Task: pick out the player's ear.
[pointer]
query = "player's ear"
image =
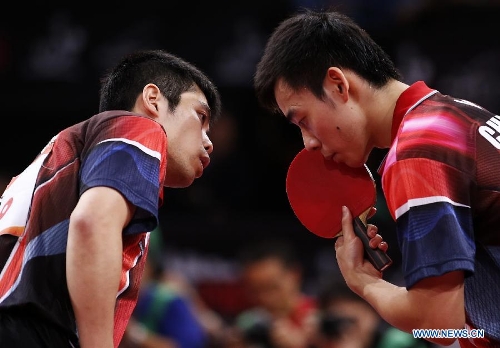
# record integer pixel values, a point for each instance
(150, 99)
(336, 82)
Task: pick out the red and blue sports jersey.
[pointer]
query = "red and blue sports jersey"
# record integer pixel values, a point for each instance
(441, 180)
(116, 149)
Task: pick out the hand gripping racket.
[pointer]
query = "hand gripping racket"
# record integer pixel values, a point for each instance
(318, 188)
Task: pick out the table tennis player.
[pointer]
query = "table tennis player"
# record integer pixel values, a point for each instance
(441, 175)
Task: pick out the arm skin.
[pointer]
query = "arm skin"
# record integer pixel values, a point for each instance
(432, 303)
(94, 262)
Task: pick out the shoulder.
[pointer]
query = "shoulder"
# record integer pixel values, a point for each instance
(441, 129)
(124, 121)
(122, 126)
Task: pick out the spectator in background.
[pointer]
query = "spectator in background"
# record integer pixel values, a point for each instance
(165, 315)
(345, 320)
(282, 315)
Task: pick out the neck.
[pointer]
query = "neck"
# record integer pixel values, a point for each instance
(381, 104)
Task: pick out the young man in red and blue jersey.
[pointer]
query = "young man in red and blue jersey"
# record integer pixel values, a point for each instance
(441, 176)
(75, 224)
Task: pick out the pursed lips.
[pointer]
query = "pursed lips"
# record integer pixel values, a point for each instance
(205, 161)
(330, 157)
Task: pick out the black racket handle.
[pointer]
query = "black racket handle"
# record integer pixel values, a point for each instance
(378, 258)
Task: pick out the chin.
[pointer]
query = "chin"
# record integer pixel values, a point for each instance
(354, 162)
(359, 164)
(179, 182)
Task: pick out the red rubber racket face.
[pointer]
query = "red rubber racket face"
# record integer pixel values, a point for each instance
(317, 189)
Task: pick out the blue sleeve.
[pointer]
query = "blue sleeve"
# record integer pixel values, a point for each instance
(180, 323)
(130, 171)
(435, 239)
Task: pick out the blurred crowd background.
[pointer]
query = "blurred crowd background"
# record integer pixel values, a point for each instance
(52, 56)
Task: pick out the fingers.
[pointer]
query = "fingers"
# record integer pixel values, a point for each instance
(347, 234)
(376, 240)
(371, 230)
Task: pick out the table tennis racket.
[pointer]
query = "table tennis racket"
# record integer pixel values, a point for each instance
(318, 188)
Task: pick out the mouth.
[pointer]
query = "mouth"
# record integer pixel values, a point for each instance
(331, 157)
(205, 161)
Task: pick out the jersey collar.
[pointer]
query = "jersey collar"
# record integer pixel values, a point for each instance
(407, 101)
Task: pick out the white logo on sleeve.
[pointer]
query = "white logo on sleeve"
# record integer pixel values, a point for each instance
(491, 131)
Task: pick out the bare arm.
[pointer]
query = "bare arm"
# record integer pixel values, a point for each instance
(94, 262)
(432, 303)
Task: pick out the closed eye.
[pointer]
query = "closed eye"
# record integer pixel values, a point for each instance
(293, 117)
(301, 123)
(204, 120)
(203, 117)
(203, 111)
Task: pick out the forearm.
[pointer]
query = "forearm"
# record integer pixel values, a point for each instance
(417, 308)
(393, 304)
(431, 303)
(94, 261)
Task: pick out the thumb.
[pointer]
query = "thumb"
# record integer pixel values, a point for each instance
(347, 228)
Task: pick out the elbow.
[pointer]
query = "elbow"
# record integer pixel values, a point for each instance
(80, 223)
(456, 320)
(84, 228)
(451, 322)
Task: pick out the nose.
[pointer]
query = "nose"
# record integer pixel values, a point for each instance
(310, 142)
(207, 143)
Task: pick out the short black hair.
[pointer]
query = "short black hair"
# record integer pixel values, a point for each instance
(269, 249)
(302, 48)
(172, 74)
(332, 290)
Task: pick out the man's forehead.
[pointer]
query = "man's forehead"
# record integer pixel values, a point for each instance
(196, 91)
(283, 95)
(195, 94)
(283, 89)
